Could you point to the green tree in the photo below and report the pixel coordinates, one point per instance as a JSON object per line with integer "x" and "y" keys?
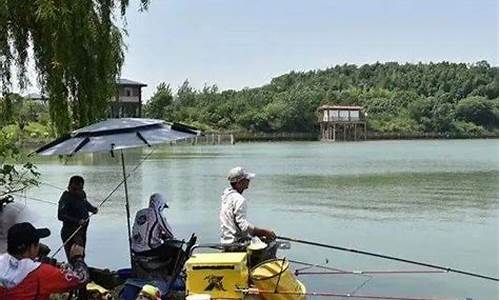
{"x": 432, "y": 115}
{"x": 6, "y": 109}
{"x": 11, "y": 105}
{"x": 478, "y": 110}
{"x": 159, "y": 102}
{"x": 186, "y": 95}
{"x": 13, "y": 177}
{"x": 77, "y": 50}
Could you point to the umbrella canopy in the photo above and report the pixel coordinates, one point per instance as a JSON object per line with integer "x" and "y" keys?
{"x": 117, "y": 134}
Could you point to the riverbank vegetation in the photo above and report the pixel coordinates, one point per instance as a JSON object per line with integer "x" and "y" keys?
{"x": 25, "y": 120}
{"x": 455, "y": 99}
{"x": 410, "y": 100}
{"x": 76, "y": 48}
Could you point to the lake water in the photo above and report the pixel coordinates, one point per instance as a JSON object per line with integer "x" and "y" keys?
{"x": 431, "y": 201}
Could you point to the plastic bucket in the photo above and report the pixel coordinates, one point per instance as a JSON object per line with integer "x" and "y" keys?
{"x": 276, "y": 281}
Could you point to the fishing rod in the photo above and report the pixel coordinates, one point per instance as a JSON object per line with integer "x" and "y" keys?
{"x": 102, "y": 202}
{"x": 447, "y": 269}
{"x": 257, "y": 291}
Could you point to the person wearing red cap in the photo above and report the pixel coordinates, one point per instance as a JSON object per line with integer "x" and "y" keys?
{"x": 23, "y": 277}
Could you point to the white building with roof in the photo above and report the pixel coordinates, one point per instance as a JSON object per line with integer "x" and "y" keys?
{"x": 127, "y": 102}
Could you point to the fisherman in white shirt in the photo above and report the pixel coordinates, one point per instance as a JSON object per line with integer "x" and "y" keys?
{"x": 234, "y": 226}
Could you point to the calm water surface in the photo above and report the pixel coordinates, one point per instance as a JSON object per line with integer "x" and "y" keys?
{"x": 434, "y": 201}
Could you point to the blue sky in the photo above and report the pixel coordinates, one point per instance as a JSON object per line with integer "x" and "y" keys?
{"x": 245, "y": 43}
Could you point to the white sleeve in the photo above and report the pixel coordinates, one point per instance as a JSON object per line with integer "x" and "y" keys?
{"x": 240, "y": 215}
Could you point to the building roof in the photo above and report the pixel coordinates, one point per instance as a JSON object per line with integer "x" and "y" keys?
{"x": 124, "y": 81}
{"x": 36, "y": 96}
{"x": 344, "y": 107}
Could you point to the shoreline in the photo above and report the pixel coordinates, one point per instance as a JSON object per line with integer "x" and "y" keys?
{"x": 225, "y": 138}
{"x": 371, "y": 136}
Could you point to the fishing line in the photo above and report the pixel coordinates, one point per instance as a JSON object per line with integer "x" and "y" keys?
{"x": 390, "y": 272}
{"x": 309, "y": 266}
{"x": 447, "y": 269}
{"x": 359, "y": 287}
{"x": 300, "y": 271}
{"x": 58, "y": 187}
{"x": 104, "y": 201}
{"x": 336, "y": 271}
{"x": 34, "y": 199}
{"x": 52, "y": 185}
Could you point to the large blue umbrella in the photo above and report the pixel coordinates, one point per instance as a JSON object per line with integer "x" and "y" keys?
{"x": 118, "y": 134}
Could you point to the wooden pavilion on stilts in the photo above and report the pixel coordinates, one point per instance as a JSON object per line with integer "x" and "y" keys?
{"x": 342, "y": 123}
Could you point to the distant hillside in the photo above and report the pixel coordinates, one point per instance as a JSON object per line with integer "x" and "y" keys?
{"x": 460, "y": 99}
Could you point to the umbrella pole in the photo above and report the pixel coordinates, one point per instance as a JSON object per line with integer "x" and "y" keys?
{"x": 127, "y": 206}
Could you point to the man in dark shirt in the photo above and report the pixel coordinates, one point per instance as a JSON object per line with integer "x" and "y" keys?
{"x": 74, "y": 212}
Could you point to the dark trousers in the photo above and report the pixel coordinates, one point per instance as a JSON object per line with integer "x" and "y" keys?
{"x": 161, "y": 262}
{"x": 80, "y": 238}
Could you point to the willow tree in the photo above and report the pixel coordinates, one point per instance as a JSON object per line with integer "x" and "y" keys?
{"x": 77, "y": 48}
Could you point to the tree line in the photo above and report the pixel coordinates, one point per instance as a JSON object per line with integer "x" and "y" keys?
{"x": 456, "y": 98}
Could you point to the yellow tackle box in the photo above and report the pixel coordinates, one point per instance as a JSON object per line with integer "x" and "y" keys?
{"x": 218, "y": 274}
